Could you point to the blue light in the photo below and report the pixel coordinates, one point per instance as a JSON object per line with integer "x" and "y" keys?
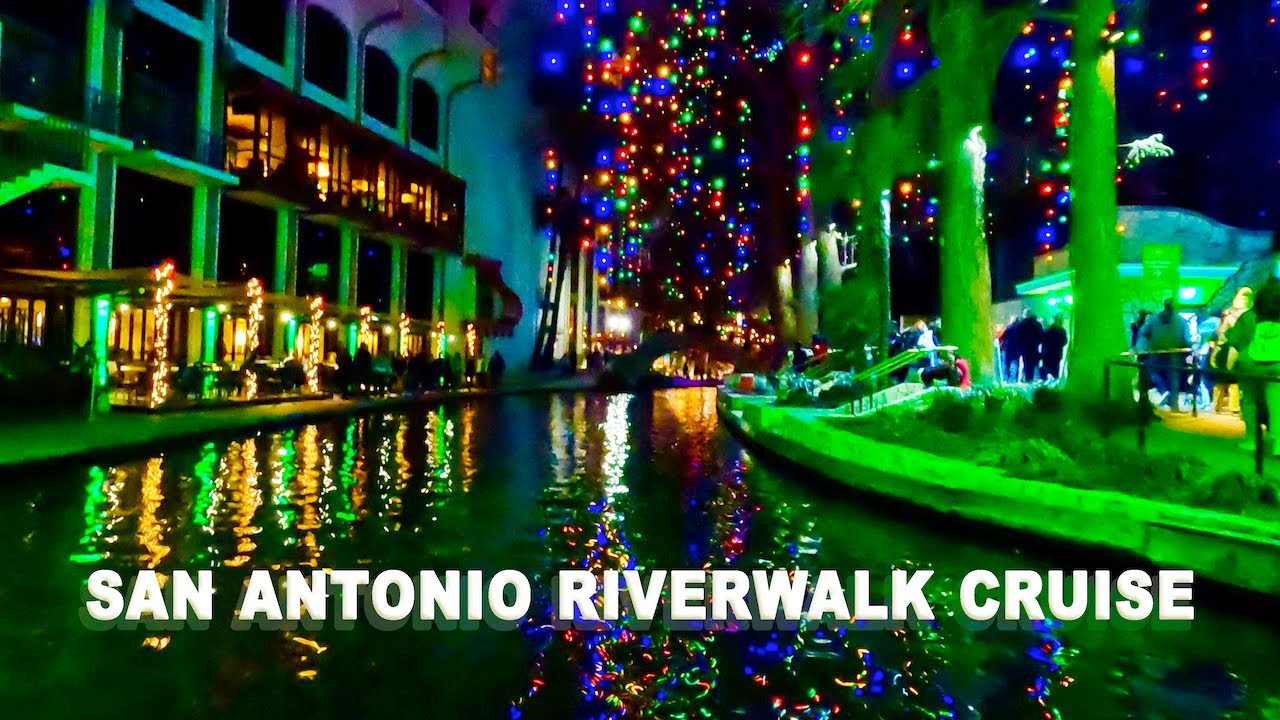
{"x": 837, "y": 133}
{"x": 603, "y": 158}
{"x": 1134, "y": 66}
{"x": 553, "y": 62}
{"x": 905, "y": 71}
{"x": 867, "y": 42}
{"x": 1201, "y": 52}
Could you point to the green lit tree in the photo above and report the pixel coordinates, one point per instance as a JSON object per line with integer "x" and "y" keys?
{"x": 1095, "y": 242}
{"x": 970, "y": 43}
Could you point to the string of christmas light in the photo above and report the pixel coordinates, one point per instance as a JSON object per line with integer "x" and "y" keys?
{"x": 257, "y": 301}
{"x": 312, "y": 359}
{"x": 161, "y": 307}
{"x": 678, "y": 171}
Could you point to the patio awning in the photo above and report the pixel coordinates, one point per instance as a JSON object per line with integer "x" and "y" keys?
{"x": 79, "y": 283}
{"x": 489, "y": 274}
{"x": 134, "y": 283}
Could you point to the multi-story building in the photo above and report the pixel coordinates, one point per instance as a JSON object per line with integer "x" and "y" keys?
{"x": 368, "y": 152}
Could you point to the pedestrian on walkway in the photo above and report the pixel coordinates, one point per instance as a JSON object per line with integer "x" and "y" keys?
{"x": 1168, "y": 338}
{"x": 1030, "y": 336}
{"x": 1009, "y": 350}
{"x": 1053, "y": 348}
{"x": 1256, "y": 335}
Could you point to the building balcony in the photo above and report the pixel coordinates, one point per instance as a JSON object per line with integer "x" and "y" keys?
{"x": 287, "y": 150}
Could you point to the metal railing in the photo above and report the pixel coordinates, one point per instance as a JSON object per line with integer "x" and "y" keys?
{"x": 1179, "y": 368}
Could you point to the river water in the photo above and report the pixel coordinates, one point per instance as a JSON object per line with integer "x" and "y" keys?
{"x": 539, "y": 484}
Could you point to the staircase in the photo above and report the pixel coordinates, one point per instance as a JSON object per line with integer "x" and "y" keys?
{"x": 37, "y": 159}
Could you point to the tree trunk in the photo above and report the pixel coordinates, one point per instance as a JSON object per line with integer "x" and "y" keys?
{"x": 786, "y": 306}
{"x": 807, "y": 310}
{"x": 966, "y": 85}
{"x": 831, "y": 270}
{"x": 1095, "y": 243}
{"x": 873, "y": 259}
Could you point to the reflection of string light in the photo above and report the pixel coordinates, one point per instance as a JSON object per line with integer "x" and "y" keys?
{"x": 160, "y": 309}
{"x": 404, "y": 335}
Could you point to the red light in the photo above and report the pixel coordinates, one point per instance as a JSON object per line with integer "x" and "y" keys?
{"x": 805, "y": 58}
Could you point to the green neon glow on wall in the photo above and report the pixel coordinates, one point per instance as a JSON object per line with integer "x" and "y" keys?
{"x": 210, "y": 334}
{"x": 291, "y": 335}
{"x": 101, "y": 329}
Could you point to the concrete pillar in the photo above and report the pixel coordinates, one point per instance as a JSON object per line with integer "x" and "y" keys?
{"x": 210, "y": 114}
{"x": 104, "y": 52}
{"x": 206, "y": 219}
{"x": 348, "y": 259}
{"x": 397, "y": 292}
{"x": 438, "y": 287}
{"x": 286, "y": 275}
{"x": 460, "y": 294}
{"x": 580, "y": 339}
{"x": 295, "y": 42}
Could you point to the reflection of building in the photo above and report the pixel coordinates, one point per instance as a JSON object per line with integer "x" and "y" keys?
{"x": 306, "y": 143}
{"x": 1209, "y": 254}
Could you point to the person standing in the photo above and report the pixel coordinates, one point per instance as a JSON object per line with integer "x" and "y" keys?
{"x": 1030, "y": 336}
{"x": 497, "y": 368}
{"x": 1168, "y": 338}
{"x": 1223, "y": 356}
{"x": 1053, "y": 349}
{"x": 1255, "y": 365}
{"x": 1009, "y": 350}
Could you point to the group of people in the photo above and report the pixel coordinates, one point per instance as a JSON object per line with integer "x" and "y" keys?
{"x": 1030, "y": 352}
{"x": 1237, "y": 356}
{"x": 362, "y": 373}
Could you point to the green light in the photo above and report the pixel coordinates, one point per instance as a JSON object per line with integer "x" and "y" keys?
{"x": 637, "y": 24}
{"x": 210, "y": 335}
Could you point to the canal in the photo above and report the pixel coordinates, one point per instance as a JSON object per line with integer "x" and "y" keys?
{"x": 541, "y": 483}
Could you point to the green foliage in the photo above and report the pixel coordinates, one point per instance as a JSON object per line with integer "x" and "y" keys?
{"x": 1048, "y": 439}
{"x": 1048, "y": 400}
{"x": 849, "y": 315}
{"x": 953, "y": 412}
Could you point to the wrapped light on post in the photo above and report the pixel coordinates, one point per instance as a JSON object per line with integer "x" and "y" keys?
{"x": 311, "y": 362}
{"x": 404, "y": 335}
{"x": 160, "y": 309}
{"x": 256, "y": 303}
{"x": 473, "y": 340}
{"x": 366, "y": 331}
{"x": 442, "y": 341}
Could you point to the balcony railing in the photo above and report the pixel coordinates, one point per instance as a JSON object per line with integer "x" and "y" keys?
{"x": 41, "y": 71}
{"x": 160, "y": 118}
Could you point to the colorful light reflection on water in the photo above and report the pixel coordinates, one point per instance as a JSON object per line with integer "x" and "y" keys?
{"x": 542, "y": 484}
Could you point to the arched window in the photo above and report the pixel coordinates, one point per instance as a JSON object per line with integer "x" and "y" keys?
{"x": 259, "y": 25}
{"x": 327, "y": 49}
{"x": 426, "y": 114}
{"x": 381, "y": 87}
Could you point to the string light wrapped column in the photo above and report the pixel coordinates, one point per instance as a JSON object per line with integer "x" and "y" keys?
{"x": 311, "y": 361}
{"x": 256, "y": 302}
{"x": 161, "y": 308}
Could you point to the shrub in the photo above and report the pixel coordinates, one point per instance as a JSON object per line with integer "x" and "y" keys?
{"x": 1230, "y": 492}
{"x": 1267, "y": 496}
{"x": 1048, "y": 400}
{"x": 952, "y": 412}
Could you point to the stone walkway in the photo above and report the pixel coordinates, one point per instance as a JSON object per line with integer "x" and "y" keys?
{"x": 27, "y": 445}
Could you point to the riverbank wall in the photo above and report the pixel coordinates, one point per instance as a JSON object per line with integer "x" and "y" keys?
{"x": 34, "y": 447}
{"x": 1235, "y": 551}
